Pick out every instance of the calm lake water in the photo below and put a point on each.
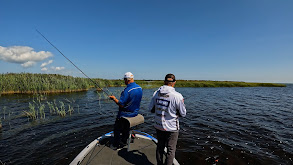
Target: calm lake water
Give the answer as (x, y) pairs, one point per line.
(223, 126)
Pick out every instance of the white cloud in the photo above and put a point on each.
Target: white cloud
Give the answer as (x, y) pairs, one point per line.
(53, 69)
(46, 63)
(57, 68)
(44, 69)
(28, 64)
(24, 55)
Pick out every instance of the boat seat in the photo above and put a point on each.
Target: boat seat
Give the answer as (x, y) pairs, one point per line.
(133, 121)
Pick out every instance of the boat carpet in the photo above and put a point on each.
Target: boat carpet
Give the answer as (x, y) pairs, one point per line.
(142, 152)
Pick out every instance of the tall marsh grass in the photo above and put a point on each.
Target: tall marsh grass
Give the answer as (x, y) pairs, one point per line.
(48, 83)
(38, 109)
(202, 83)
(41, 83)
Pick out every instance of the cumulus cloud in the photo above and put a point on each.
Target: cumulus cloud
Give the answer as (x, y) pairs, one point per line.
(53, 69)
(46, 63)
(28, 64)
(24, 55)
(57, 68)
(44, 69)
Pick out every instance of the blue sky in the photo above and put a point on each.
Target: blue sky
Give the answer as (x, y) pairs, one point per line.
(243, 40)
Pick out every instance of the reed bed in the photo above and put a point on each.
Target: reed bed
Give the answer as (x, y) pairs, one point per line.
(52, 83)
(41, 83)
(202, 83)
(37, 108)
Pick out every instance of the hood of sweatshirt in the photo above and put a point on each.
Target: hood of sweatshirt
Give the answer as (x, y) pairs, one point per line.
(165, 89)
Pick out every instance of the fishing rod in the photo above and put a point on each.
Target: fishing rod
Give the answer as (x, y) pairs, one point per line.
(190, 96)
(74, 64)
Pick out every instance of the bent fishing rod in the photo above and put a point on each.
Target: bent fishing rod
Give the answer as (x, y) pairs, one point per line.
(74, 64)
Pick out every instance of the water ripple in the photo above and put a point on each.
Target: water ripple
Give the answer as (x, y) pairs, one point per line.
(230, 125)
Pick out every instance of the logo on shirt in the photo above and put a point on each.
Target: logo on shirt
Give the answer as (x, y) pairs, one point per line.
(162, 102)
(163, 95)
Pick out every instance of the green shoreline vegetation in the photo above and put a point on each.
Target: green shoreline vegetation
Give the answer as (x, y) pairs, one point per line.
(29, 83)
(36, 109)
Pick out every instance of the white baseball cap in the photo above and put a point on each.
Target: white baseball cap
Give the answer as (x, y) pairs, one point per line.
(128, 75)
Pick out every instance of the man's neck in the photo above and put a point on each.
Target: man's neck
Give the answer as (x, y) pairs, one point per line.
(170, 85)
(129, 82)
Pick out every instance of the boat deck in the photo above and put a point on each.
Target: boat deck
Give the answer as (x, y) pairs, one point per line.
(142, 151)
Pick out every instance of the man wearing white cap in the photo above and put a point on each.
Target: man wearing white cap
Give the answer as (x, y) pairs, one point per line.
(129, 104)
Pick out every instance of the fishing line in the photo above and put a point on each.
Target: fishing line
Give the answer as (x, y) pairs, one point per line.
(89, 161)
(73, 63)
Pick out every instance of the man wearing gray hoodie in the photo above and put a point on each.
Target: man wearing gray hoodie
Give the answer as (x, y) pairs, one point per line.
(168, 106)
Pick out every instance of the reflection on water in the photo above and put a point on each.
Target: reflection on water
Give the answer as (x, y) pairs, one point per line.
(222, 126)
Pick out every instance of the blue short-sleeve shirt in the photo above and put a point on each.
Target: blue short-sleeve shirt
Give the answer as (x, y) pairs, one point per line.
(130, 98)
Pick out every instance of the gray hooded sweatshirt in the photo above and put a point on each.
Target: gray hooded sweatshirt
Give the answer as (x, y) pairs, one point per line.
(168, 106)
